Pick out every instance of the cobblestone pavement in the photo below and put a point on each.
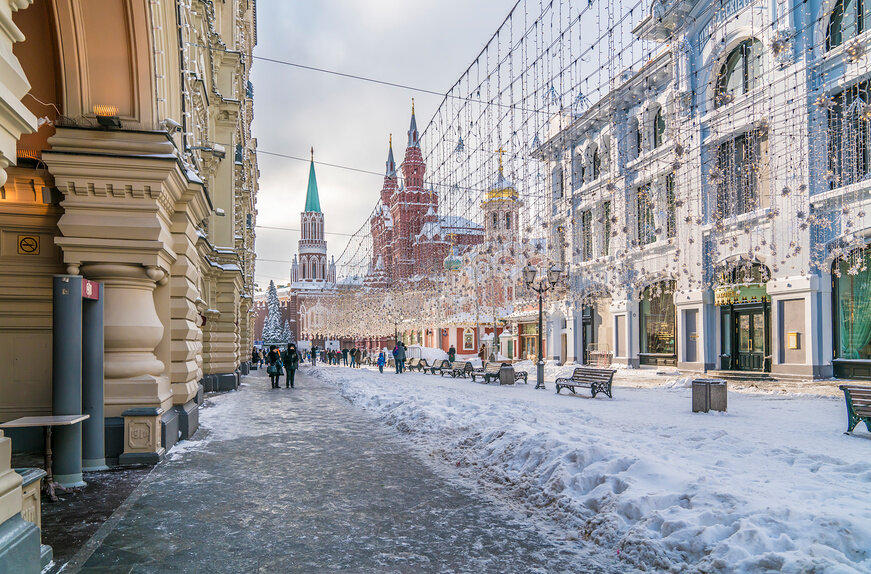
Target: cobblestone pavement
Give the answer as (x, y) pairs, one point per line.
(299, 480)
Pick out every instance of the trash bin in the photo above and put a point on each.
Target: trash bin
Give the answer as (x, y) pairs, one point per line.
(709, 395)
(506, 375)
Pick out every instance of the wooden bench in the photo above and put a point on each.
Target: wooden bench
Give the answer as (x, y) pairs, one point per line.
(597, 380)
(412, 363)
(437, 365)
(488, 372)
(457, 369)
(422, 366)
(858, 405)
(521, 375)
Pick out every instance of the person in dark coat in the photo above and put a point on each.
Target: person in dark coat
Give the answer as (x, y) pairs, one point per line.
(345, 357)
(291, 363)
(452, 354)
(273, 360)
(358, 357)
(400, 357)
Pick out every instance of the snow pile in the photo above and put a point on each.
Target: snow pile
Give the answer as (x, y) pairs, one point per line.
(772, 485)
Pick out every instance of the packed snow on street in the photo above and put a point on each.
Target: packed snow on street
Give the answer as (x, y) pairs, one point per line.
(773, 484)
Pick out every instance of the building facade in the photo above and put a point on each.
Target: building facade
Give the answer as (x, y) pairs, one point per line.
(140, 174)
(715, 202)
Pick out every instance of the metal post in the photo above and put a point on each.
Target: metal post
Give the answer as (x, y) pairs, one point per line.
(539, 383)
(93, 433)
(66, 394)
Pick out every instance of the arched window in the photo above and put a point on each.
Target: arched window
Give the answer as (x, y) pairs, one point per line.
(577, 169)
(742, 71)
(847, 21)
(658, 128)
(635, 138)
(596, 165)
(507, 220)
(495, 220)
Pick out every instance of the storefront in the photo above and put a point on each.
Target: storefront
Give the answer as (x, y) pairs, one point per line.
(745, 317)
(597, 326)
(851, 294)
(528, 340)
(657, 324)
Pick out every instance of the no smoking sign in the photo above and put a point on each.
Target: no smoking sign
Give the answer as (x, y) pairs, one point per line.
(28, 244)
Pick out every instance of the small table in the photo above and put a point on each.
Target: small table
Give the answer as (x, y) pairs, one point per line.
(47, 422)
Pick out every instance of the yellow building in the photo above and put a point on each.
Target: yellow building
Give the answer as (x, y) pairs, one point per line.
(128, 160)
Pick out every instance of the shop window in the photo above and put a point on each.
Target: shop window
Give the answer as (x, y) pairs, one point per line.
(849, 131)
(741, 175)
(848, 20)
(741, 73)
(658, 319)
(645, 225)
(853, 300)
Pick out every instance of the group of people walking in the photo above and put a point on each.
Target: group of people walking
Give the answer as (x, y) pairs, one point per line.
(280, 363)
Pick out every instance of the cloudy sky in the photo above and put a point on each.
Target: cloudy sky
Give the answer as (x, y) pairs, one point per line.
(424, 43)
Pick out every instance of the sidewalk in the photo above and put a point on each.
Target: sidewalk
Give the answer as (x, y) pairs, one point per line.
(299, 480)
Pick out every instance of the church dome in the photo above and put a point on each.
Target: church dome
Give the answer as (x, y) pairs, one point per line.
(453, 262)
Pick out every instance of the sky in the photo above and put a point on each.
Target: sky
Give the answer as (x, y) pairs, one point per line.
(425, 44)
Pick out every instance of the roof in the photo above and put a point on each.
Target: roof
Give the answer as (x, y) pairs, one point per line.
(312, 201)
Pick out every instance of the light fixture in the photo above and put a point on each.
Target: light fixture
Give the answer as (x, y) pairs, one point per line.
(553, 274)
(219, 151)
(529, 274)
(171, 126)
(219, 211)
(107, 116)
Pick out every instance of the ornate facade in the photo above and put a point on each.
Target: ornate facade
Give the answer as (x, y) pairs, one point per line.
(139, 173)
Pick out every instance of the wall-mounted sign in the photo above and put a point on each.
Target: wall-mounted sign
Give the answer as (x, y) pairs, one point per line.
(792, 341)
(90, 290)
(28, 244)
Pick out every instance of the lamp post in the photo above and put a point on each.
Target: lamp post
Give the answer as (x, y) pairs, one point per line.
(548, 281)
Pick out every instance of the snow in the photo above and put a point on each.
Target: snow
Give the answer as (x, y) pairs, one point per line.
(771, 485)
(429, 353)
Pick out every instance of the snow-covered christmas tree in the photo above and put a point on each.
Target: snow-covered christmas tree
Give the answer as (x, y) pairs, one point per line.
(286, 333)
(272, 330)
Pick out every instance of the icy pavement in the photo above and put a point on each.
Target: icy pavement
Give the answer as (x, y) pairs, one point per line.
(772, 485)
(301, 480)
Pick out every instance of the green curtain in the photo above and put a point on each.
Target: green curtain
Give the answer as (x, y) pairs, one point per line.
(854, 308)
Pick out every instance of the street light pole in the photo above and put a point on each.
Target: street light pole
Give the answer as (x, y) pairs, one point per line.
(547, 282)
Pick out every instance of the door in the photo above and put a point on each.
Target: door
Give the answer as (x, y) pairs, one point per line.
(564, 347)
(589, 332)
(750, 328)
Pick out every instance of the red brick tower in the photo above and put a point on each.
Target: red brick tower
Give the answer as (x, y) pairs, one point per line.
(408, 206)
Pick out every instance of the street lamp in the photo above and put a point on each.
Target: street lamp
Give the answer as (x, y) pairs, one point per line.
(548, 281)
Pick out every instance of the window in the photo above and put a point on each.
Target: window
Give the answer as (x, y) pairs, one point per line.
(671, 207)
(508, 220)
(741, 176)
(645, 228)
(657, 318)
(639, 140)
(597, 164)
(495, 220)
(557, 183)
(586, 235)
(741, 73)
(853, 301)
(606, 216)
(658, 128)
(847, 21)
(849, 134)
(577, 169)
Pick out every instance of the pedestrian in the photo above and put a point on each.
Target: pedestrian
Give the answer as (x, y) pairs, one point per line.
(291, 363)
(396, 357)
(262, 354)
(275, 368)
(358, 357)
(314, 355)
(255, 357)
(381, 362)
(353, 356)
(452, 354)
(345, 356)
(400, 357)
(482, 354)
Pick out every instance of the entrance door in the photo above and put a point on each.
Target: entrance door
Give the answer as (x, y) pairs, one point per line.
(589, 332)
(750, 327)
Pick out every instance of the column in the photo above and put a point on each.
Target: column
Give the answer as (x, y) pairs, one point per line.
(66, 388)
(93, 431)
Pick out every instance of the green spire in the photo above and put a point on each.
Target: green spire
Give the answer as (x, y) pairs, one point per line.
(312, 202)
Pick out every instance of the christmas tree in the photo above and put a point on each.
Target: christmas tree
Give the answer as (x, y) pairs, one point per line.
(272, 331)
